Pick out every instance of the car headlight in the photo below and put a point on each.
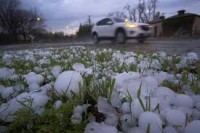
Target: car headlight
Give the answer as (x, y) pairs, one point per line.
(129, 25)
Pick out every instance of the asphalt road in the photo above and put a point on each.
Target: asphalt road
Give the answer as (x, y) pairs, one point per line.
(168, 45)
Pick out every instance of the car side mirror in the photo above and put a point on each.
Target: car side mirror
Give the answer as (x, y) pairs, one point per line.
(110, 22)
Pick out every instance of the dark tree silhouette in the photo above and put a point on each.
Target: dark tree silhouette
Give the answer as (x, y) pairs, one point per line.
(17, 22)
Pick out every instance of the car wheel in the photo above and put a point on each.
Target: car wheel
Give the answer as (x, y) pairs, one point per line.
(120, 37)
(95, 39)
(141, 39)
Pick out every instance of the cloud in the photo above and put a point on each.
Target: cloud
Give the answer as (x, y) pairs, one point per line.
(170, 7)
(60, 13)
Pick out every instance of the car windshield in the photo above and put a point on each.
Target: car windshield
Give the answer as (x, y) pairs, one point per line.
(119, 20)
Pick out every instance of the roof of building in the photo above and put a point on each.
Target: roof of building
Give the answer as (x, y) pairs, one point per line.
(184, 15)
(175, 16)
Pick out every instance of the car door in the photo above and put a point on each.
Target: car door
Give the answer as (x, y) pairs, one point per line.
(100, 27)
(108, 27)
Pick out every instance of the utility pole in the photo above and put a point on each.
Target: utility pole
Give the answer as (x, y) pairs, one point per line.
(89, 20)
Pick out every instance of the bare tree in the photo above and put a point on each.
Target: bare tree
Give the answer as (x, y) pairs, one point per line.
(117, 14)
(128, 8)
(146, 10)
(142, 11)
(131, 12)
(18, 22)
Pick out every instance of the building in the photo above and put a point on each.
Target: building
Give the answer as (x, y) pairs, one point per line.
(182, 24)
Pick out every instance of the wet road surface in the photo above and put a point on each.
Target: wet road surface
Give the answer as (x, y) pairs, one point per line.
(169, 46)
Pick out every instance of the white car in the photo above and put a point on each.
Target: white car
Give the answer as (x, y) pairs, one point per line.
(119, 30)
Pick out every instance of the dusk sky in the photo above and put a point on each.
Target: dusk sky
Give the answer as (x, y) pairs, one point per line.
(62, 13)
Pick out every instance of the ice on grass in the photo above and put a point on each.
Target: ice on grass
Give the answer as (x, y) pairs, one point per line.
(175, 118)
(149, 84)
(68, 81)
(195, 114)
(136, 107)
(185, 110)
(161, 76)
(136, 130)
(182, 100)
(164, 95)
(95, 127)
(9, 109)
(44, 61)
(151, 120)
(155, 64)
(47, 87)
(111, 120)
(169, 129)
(162, 54)
(7, 92)
(104, 107)
(34, 78)
(196, 99)
(39, 100)
(78, 109)
(7, 58)
(76, 118)
(56, 70)
(6, 73)
(79, 67)
(123, 78)
(85, 107)
(126, 108)
(33, 86)
(129, 61)
(131, 86)
(128, 120)
(127, 81)
(144, 64)
(115, 100)
(57, 104)
(193, 127)
(119, 57)
(192, 56)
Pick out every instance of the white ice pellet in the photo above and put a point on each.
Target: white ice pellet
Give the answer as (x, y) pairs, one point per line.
(164, 95)
(192, 56)
(7, 92)
(78, 109)
(33, 86)
(182, 100)
(128, 119)
(175, 118)
(125, 108)
(68, 81)
(76, 118)
(115, 100)
(195, 114)
(39, 99)
(136, 108)
(56, 70)
(33, 78)
(6, 73)
(136, 130)
(95, 127)
(150, 119)
(58, 104)
(111, 120)
(169, 129)
(105, 107)
(193, 127)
